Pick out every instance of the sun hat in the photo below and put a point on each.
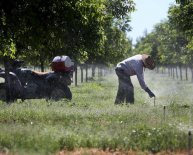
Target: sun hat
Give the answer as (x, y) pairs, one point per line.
(148, 61)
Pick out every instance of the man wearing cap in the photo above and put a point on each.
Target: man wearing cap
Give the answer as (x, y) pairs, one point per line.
(132, 66)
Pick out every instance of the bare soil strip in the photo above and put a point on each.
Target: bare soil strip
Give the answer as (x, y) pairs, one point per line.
(94, 151)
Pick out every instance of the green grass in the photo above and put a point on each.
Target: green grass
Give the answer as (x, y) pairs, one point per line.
(91, 120)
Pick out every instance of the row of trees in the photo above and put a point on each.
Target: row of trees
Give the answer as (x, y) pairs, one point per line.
(91, 31)
(171, 41)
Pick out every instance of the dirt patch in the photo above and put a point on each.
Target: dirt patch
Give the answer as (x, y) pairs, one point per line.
(94, 151)
(109, 152)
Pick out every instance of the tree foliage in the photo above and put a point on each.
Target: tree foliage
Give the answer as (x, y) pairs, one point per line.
(183, 2)
(171, 41)
(45, 28)
(181, 18)
(165, 44)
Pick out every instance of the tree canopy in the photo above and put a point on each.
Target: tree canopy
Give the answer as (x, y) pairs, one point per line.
(171, 41)
(78, 28)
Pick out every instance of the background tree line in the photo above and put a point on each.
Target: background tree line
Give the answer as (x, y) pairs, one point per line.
(91, 31)
(171, 41)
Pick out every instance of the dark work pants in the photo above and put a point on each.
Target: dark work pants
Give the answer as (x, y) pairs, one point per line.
(125, 91)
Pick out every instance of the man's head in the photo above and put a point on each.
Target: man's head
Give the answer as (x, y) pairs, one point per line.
(148, 61)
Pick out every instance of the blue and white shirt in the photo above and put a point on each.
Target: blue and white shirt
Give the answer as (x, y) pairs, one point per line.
(134, 66)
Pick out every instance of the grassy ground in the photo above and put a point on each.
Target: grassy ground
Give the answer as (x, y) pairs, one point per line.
(91, 120)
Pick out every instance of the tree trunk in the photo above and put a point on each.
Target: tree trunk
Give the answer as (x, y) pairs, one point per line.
(41, 63)
(86, 72)
(192, 72)
(186, 73)
(100, 71)
(93, 70)
(7, 79)
(76, 72)
(162, 69)
(157, 69)
(168, 70)
(82, 75)
(180, 67)
(176, 71)
(173, 72)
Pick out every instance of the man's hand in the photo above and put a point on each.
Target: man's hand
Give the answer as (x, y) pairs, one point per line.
(149, 92)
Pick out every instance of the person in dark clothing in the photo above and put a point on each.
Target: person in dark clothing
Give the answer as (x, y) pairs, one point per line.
(132, 66)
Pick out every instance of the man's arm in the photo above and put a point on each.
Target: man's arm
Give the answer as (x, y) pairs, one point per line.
(144, 86)
(139, 72)
(151, 94)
